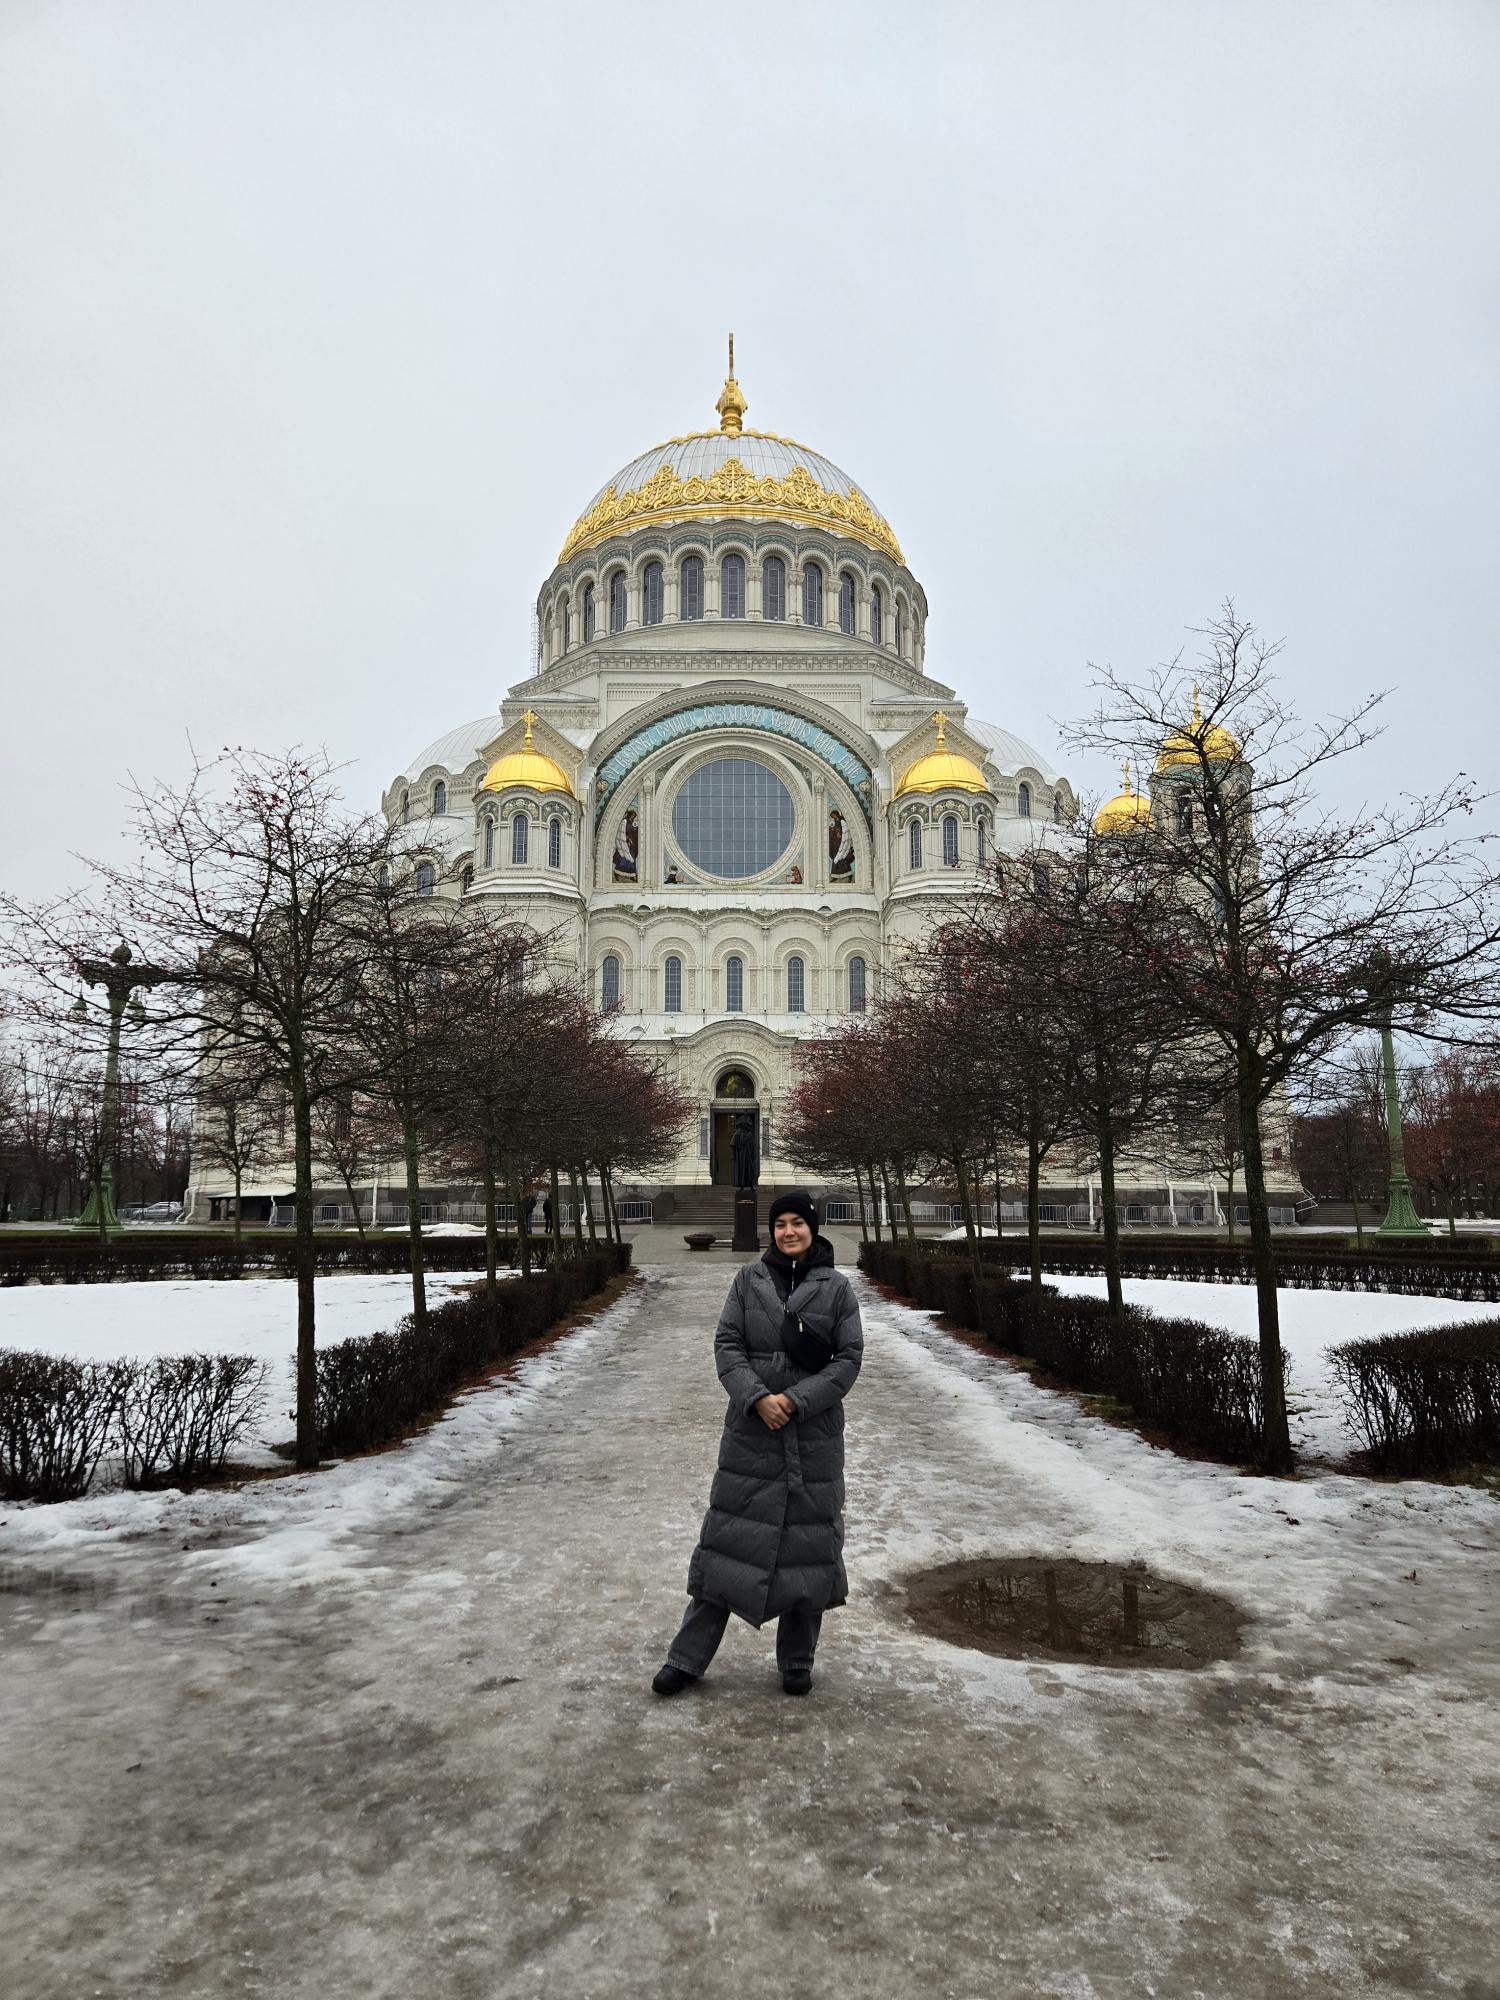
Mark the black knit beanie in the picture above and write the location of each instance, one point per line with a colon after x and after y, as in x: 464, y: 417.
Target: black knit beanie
x: 796, y: 1201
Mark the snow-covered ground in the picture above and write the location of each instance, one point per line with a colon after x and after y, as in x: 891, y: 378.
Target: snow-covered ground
x: 256, y: 1316
x: 1311, y: 1323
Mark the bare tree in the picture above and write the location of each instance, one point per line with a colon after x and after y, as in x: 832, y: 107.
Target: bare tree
x: 236, y: 1131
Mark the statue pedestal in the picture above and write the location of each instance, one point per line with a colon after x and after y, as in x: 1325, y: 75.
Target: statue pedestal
x: 746, y: 1220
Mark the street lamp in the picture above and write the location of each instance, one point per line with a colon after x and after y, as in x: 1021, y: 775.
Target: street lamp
x: 1402, y: 1221
x: 119, y: 983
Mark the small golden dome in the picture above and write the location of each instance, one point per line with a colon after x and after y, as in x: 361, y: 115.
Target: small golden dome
x: 1126, y: 812
x: 526, y: 766
x: 942, y: 769
x: 1199, y: 742
x: 731, y: 405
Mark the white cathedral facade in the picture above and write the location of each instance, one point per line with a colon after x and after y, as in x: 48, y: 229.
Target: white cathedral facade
x: 730, y: 789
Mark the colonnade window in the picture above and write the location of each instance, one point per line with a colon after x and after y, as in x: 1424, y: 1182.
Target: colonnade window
x: 671, y: 986
x: 950, y: 840
x: 609, y: 983
x: 857, y: 990
x: 588, y: 612
x: 518, y: 839
x: 440, y: 797
x: 426, y: 879
x: 489, y: 843
x: 846, y: 604
x: 773, y: 588
x: 653, y: 594
x: 914, y: 843
x: 617, y: 601
x: 876, y: 614
x: 567, y: 625
x: 796, y: 986
x: 812, y: 595
x: 1023, y: 800
x: 734, y: 984
x: 554, y: 843
x: 732, y: 587
x: 692, y: 587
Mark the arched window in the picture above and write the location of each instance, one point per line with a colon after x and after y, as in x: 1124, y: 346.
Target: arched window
x: 489, y: 842
x: 914, y: 840
x: 426, y: 880
x: 554, y: 842
x: 466, y: 881
x: 796, y: 986
x: 856, y: 985
x: 773, y: 588
x: 567, y: 625
x: 519, y: 835
x: 1184, y: 816
x: 734, y: 984
x: 1023, y: 800
x: 617, y: 601
x: 876, y: 614
x: 846, y: 604
x: 652, y: 593
x: 609, y: 983
x: 950, y: 840
x: 588, y: 612
x: 900, y: 630
x: 440, y: 797
x: 385, y: 878
x: 812, y: 595
x: 732, y: 587
x: 405, y: 807
x: 692, y: 587
x: 671, y: 985
x: 981, y: 834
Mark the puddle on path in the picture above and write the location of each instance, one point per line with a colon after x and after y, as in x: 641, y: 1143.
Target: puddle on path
x: 32, y: 1596
x: 1104, y: 1614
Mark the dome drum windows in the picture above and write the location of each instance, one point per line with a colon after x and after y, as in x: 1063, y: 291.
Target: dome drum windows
x: 691, y: 588
x: 773, y: 588
x: 618, y: 601
x: 950, y: 840
x: 812, y: 594
x: 877, y: 615
x: 848, y: 603
x: 732, y: 587
x: 588, y: 613
x: 520, y: 835
x: 653, y: 594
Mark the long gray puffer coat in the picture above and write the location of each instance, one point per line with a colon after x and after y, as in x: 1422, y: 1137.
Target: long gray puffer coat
x: 773, y: 1535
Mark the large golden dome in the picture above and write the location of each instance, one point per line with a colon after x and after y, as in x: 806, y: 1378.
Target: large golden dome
x: 526, y: 766
x: 1126, y: 812
x: 1199, y: 742
x: 735, y: 474
x: 942, y: 769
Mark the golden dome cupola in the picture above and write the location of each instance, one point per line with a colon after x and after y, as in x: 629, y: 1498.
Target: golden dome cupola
x: 526, y: 766
x: 1198, y: 742
x: 942, y: 769
x: 1129, y: 811
x: 731, y: 405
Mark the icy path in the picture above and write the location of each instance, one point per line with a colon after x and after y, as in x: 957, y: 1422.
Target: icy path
x: 316, y: 1747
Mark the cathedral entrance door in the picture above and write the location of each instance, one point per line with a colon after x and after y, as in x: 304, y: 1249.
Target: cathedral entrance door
x: 723, y: 1146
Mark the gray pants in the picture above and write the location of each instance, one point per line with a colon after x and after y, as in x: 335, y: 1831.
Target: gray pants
x: 703, y: 1627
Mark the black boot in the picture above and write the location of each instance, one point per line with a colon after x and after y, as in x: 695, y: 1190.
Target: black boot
x: 797, y: 1680
x: 672, y: 1680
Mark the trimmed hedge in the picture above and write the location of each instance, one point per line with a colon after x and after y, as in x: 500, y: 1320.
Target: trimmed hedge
x: 172, y: 1416
x: 82, y: 1260
x: 1424, y: 1400
x: 1196, y: 1382
x: 1435, y: 1270
x: 377, y: 1385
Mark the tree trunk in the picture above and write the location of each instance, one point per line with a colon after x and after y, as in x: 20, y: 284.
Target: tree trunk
x: 908, y: 1224
x: 960, y: 1168
x: 491, y: 1226
x: 1229, y: 1208
x: 588, y: 1205
x: 238, y: 1218
x: 1034, y: 1208
x: 556, y: 1217
x: 1359, y: 1227
x: 612, y: 1214
x: 859, y: 1190
x: 412, y: 1155
x: 523, y: 1236
x: 999, y: 1223
x: 1105, y: 1134
x: 1276, y: 1441
x: 577, y: 1210
x: 304, y: 1266
x: 890, y: 1206
x: 875, y: 1201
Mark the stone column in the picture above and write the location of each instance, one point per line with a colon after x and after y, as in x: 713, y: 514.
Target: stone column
x: 754, y: 600
x: 647, y: 870
x: 632, y: 603
x: 669, y: 597
x: 815, y: 874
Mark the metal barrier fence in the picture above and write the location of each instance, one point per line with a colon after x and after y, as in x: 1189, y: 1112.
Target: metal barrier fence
x: 1194, y: 1214
x: 393, y: 1214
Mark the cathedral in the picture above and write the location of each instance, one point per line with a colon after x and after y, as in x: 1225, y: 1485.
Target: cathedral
x: 729, y: 786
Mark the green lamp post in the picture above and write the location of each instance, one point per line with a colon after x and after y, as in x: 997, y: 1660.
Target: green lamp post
x: 1401, y: 1218
x: 120, y: 984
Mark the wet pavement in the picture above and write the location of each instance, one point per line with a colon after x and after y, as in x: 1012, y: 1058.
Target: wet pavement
x: 433, y: 1765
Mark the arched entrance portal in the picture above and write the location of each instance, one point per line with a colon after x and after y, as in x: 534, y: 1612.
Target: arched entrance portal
x: 733, y: 1093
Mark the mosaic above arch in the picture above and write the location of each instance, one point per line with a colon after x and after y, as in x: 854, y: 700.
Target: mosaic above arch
x: 735, y: 715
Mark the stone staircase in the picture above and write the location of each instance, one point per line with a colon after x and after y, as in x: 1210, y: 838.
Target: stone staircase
x: 710, y: 1207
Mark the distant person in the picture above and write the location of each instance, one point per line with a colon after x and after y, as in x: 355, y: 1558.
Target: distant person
x: 788, y: 1347
x: 528, y: 1214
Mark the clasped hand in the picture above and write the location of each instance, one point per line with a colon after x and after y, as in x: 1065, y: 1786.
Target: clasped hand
x: 776, y: 1411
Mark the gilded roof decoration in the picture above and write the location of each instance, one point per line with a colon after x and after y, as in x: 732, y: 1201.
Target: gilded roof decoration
x: 733, y: 488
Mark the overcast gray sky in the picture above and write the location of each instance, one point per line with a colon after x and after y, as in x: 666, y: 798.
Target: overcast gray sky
x: 323, y: 321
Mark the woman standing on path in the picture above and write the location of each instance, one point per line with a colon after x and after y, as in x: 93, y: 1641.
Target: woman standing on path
x: 788, y: 1347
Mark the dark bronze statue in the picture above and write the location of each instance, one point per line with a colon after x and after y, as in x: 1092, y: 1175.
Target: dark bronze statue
x: 746, y: 1165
